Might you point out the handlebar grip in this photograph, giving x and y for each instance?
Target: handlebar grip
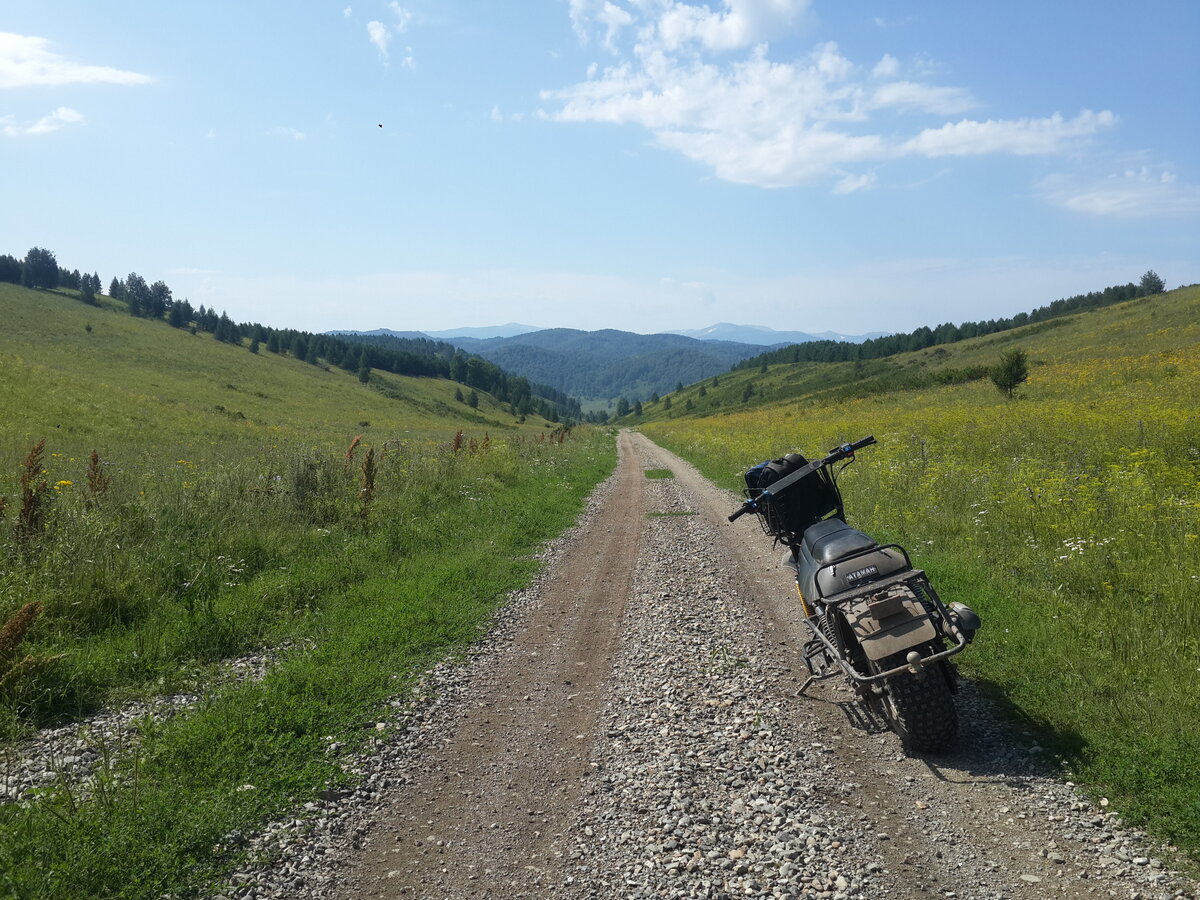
(865, 442)
(740, 511)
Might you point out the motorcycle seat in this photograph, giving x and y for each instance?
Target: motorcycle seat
(831, 539)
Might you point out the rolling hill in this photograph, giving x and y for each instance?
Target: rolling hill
(607, 364)
(90, 376)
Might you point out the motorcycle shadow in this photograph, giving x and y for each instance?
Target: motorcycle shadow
(997, 740)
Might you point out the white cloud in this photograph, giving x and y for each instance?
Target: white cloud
(1132, 194)
(347, 12)
(28, 61)
(294, 133)
(379, 35)
(497, 116)
(60, 118)
(916, 97)
(755, 120)
(408, 60)
(888, 67)
(742, 23)
(851, 183)
(403, 16)
(1021, 137)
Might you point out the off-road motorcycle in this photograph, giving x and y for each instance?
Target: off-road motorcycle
(873, 617)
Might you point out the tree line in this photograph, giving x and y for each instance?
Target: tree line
(417, 357)
(948, 333)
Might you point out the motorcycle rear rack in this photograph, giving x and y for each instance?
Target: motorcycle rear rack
(915, 580)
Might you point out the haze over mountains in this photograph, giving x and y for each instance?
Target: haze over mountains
(607, 364)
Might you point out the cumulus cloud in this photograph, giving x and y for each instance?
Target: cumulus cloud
(378, 34)
(775, 123)
(1131, 194)
(60, 118)
(27, 61)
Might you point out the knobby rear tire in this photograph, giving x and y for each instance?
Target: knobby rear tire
(921, 707)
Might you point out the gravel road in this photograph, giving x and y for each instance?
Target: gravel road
(632, 727)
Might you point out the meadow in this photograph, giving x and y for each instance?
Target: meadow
(1068, 517)
(173, 504)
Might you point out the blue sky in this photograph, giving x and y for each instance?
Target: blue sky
(637, 164)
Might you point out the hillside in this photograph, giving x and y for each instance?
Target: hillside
(608, 364)
(1158, 324)
(1068, 517)
(91, 377)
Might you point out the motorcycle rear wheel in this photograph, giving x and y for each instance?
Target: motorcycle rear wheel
(920, 708)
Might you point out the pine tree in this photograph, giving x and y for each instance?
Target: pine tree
(40, 269)
(1011, 372)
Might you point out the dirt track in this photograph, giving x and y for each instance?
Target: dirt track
(638, 732)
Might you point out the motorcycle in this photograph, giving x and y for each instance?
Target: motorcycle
(873, 617)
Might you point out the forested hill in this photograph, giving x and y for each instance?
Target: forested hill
(949, 333)
(418, 357)
(471, 369)
(609, 364)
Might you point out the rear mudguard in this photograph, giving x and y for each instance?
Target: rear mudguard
(889, 622)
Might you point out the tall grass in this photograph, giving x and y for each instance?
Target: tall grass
(368, 571)
(1070, 518)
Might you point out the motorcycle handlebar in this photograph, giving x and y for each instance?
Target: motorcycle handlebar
(746, 507)
(845, 451)
(849, 449)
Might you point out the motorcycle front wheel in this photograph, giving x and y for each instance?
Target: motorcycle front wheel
(920, 708)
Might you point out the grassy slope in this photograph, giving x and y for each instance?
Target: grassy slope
(1069, 517)
(234, 521)
(1141, 327)
(130, 377)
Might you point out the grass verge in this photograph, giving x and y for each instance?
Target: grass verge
(384, 590)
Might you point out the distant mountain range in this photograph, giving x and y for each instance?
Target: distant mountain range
(602, 365)
(769, 337)
(512, 329)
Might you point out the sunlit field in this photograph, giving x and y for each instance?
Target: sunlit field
(1069, 517)
(171, 504)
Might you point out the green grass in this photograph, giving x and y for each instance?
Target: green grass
(372, 608)
(659, 473)
(1069, 518)
(1163, 324)
(128, 382)
(241, 513)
